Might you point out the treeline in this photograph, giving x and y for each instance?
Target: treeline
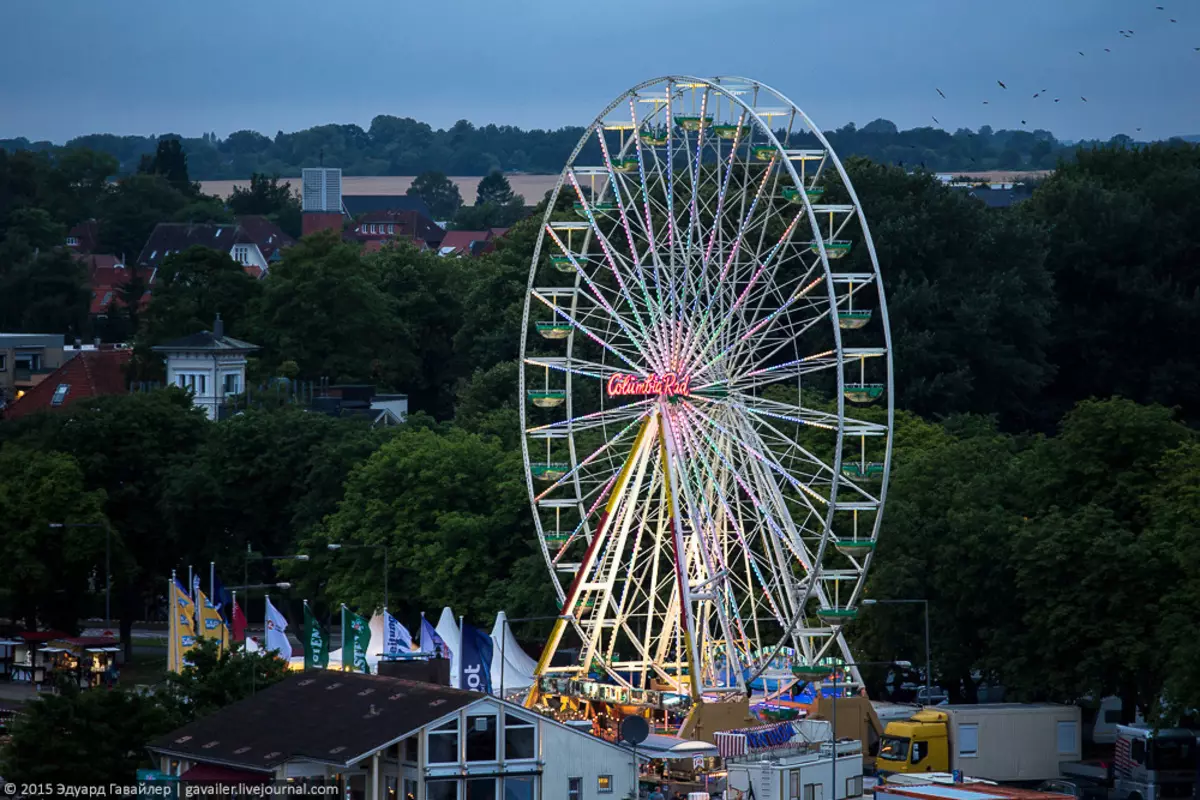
(404, 146)
(1045, 520)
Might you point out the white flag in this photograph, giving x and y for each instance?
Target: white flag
(396, 638)
(277, 633)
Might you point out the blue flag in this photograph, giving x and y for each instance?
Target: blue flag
(431, 642)
(476, 659)
(221, 598)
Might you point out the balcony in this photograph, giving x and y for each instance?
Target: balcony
(29, 376)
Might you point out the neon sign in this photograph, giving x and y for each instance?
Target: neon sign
(669, 384)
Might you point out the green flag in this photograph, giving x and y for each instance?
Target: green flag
(356, 636)
(316, 641)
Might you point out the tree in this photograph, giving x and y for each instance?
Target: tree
(46, 569)
(265, 196)
(495, 189)
(323, 307)
(192, 288)
(124, 444)
(212, 680)
(449, 507)
(132, 209)
(85, 737)
(171, 162)
(42, 288)
(439, 193)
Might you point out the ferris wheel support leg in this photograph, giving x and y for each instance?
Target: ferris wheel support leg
(848, 657)
(687, 620)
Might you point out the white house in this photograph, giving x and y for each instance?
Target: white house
(211, 365)
(382, 738)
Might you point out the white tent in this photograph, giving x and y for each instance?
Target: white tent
(447, 628)
(518, 667)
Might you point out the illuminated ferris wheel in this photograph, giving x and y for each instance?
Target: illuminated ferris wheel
(705, 349)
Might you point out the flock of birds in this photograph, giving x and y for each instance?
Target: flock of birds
(1125, 34)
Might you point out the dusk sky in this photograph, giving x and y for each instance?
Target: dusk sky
(147, 66)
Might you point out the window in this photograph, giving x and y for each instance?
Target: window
(854, 786)
(481, 789)
(241, 253)
(410, 788)
(920, 750)
(814, 791)
(481, 737)
(442, 790)
(194, 381)
(443, 744)
(1138, 751)
(518, 738)
(3, 362)
(968, 740)
(574, 788)
(520, 788)
(72, 241)
(1068, 735)
(793, 785)
(391, 227)
(60, 394)
(233, 385)
(410, 749)
(604, 784)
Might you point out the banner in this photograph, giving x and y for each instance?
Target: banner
(238, 626)
(476, 659)
(212, 626)
(356, 636)
(276, 626)
(182, 633)
(396, 638)
(316, 641)
(431, 642)
(222, 600)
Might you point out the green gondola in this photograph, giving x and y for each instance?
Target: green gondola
(547, 398)
(654, 138)
(863, 392)
(625, 164)
(693, 122)
(729, 131)
(792, 194)
(553, 330)
(856, 548)
(564, 263)
(862, 472)
(834, 248)
(855, 319)
(764, 152)
(811, 672)
(550, 471)
(837, 616)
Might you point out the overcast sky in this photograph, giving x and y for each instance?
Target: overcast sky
(154, 66)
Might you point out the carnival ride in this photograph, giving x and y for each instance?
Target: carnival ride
(704, 347)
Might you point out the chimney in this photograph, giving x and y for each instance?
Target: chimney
(218, 327)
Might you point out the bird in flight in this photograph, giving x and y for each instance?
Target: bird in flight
(939, 91)
(1002, 86)
(1107, 50)
(935, 119)
(1174, 20)
(1057, 99)
(1080, 52)
(1084, 99)
(1139, 129)
(1036, 94)
(985, 102)
(1160, 8)
(1022, 122)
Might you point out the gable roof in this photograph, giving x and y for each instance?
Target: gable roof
(332, 717)
(87, 236)
(460, 243)
(408, 224)
(269, 237)
(175, 237)
(90, 373)
(356, 204)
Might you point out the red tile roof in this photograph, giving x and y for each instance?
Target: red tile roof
(90, 373)
(269, 237)
(465, 243)
(87, 234)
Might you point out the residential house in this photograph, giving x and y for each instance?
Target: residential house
(356, 205)
(253, 244)
(90, 373)
(25, 361)
(209, 364)
(84, 238)
(107, 278)
(381, 226)
(466, 243)
(376, 737)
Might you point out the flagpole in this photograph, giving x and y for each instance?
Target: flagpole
(457, 679)
(172, 623)
(344, 640)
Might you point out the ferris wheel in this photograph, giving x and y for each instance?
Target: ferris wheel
(704, 349)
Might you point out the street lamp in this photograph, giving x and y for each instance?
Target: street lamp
(866, 601)
(107, 560)
(833, 722)
(249, 586)
(336, 546)
(251, 555)
(504, 641)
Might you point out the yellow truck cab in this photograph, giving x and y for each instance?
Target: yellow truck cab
(918, 744)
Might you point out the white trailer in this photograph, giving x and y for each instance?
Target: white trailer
(797, 773)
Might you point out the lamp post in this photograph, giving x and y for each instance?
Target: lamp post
(252, 556)
(833, 722)
(249, 586)
(107, 562)
(335, 546)
(928, 678)
(504, 641)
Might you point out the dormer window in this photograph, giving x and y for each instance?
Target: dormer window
(72, 241)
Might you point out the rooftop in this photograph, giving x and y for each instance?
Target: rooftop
(207, 340)
(331, 717)
(89, 374)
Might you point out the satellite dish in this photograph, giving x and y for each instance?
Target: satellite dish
(635, 730)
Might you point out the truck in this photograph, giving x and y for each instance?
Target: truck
(1147, 764)
(1003, 742)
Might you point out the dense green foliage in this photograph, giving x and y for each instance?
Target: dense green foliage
(404, 146)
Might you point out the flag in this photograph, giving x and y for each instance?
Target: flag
(396, 638)
(237, 623)
(212, 626)
(276, 627)
(221, 598)
(182, 634)
(476, 659)
(431, 642)
(316, 641)
(356, 636)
